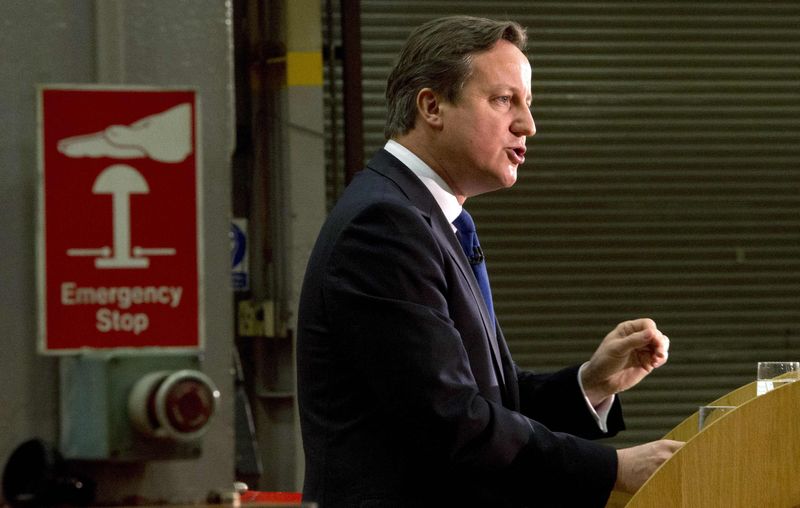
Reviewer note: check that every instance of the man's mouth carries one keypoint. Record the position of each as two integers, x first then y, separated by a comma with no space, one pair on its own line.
516,154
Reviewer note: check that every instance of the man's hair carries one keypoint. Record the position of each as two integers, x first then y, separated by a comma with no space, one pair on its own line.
438,55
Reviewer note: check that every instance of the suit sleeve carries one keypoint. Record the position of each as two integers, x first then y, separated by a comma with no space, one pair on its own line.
385,290
556,400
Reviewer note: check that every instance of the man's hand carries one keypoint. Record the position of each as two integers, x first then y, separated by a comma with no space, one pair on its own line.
637,464
627,354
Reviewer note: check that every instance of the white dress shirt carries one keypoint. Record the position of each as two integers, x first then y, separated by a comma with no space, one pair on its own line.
451,208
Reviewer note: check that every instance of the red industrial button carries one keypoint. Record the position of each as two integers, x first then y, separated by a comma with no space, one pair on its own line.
189,405
175,405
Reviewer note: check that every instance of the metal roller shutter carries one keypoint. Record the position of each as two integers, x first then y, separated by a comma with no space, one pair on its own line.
664,181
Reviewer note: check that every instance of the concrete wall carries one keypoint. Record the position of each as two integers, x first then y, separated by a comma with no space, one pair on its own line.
141,42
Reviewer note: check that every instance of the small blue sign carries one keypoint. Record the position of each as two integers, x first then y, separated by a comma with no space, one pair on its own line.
240,271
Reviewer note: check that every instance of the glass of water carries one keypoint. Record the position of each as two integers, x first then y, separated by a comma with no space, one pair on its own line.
772,375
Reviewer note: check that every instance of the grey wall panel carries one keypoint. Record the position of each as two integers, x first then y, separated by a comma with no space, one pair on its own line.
40,41
186,43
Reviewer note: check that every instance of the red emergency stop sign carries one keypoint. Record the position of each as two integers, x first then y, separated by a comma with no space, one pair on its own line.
119,238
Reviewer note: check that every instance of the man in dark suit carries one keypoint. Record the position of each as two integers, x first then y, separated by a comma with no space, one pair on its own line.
408,394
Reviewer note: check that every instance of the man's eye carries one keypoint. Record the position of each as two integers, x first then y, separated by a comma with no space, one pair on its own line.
503,99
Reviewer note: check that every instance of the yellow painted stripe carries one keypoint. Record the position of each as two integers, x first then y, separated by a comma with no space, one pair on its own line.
304,68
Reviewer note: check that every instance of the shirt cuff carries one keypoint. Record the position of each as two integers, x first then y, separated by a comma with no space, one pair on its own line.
599,412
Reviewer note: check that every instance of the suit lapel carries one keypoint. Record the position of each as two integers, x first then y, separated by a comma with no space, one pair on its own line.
387,165
457,254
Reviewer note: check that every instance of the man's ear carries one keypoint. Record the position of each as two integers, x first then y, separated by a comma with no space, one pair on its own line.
429,108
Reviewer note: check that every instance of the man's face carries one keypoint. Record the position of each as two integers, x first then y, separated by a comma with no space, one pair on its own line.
482,141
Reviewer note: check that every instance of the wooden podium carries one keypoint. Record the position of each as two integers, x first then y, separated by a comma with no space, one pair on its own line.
749,457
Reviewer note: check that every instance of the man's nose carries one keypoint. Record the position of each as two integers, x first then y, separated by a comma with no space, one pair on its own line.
524,124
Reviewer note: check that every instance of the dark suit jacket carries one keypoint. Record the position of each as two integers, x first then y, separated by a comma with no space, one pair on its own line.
400,403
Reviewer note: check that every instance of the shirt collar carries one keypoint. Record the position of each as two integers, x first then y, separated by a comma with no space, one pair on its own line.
441,192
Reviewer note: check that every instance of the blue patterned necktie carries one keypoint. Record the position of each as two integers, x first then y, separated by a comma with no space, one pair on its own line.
472,248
